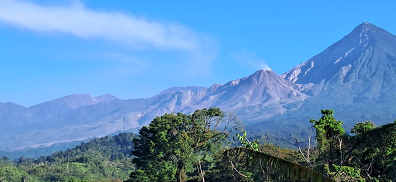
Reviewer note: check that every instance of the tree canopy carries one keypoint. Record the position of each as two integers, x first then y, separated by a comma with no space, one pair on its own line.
369,155
189,147
176,147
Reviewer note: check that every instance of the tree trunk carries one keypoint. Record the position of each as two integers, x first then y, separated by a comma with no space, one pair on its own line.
181,174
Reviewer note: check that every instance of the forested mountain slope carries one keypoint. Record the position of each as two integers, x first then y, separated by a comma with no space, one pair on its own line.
101,159
355,76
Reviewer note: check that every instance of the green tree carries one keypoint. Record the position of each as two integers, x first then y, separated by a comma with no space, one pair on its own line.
330,136
9,172
374,152
332,142
328,131
176,147
362,127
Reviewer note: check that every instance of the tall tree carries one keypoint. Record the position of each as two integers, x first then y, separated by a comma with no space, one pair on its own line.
175,147
329,136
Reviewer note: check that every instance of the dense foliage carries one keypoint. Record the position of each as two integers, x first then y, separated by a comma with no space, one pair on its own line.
369,155
38,152
101,159
179,147
373,153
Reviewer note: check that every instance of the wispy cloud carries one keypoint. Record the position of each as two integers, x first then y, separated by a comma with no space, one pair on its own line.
250,59
83,22
134,32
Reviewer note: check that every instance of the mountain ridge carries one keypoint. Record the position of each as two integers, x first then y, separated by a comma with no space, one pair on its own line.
355,76
359,39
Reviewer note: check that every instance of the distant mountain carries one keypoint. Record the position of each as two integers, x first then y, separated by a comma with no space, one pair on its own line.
355,76
79,117
356,56
13,115
264,87
56,107
180,89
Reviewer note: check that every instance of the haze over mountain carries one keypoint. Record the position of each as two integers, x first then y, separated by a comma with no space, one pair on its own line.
355,76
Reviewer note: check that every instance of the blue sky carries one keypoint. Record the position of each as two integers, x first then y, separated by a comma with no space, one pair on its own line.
135,49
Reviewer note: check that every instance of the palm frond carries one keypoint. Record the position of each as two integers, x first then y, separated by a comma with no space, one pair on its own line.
270,168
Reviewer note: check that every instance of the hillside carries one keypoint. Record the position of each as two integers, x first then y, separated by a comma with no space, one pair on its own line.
101,159
355,76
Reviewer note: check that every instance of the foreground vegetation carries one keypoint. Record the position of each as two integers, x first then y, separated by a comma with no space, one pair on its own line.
102,159
179,147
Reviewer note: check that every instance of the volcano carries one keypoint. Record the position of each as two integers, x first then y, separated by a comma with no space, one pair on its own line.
356,77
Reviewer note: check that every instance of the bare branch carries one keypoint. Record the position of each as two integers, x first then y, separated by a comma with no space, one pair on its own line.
233,167
309,147
200,169
299,149
250,144
265,138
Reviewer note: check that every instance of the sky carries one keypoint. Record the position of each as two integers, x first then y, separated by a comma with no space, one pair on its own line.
136,49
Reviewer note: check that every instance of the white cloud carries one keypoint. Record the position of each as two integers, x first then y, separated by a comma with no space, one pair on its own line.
127,30
83,22
250,59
